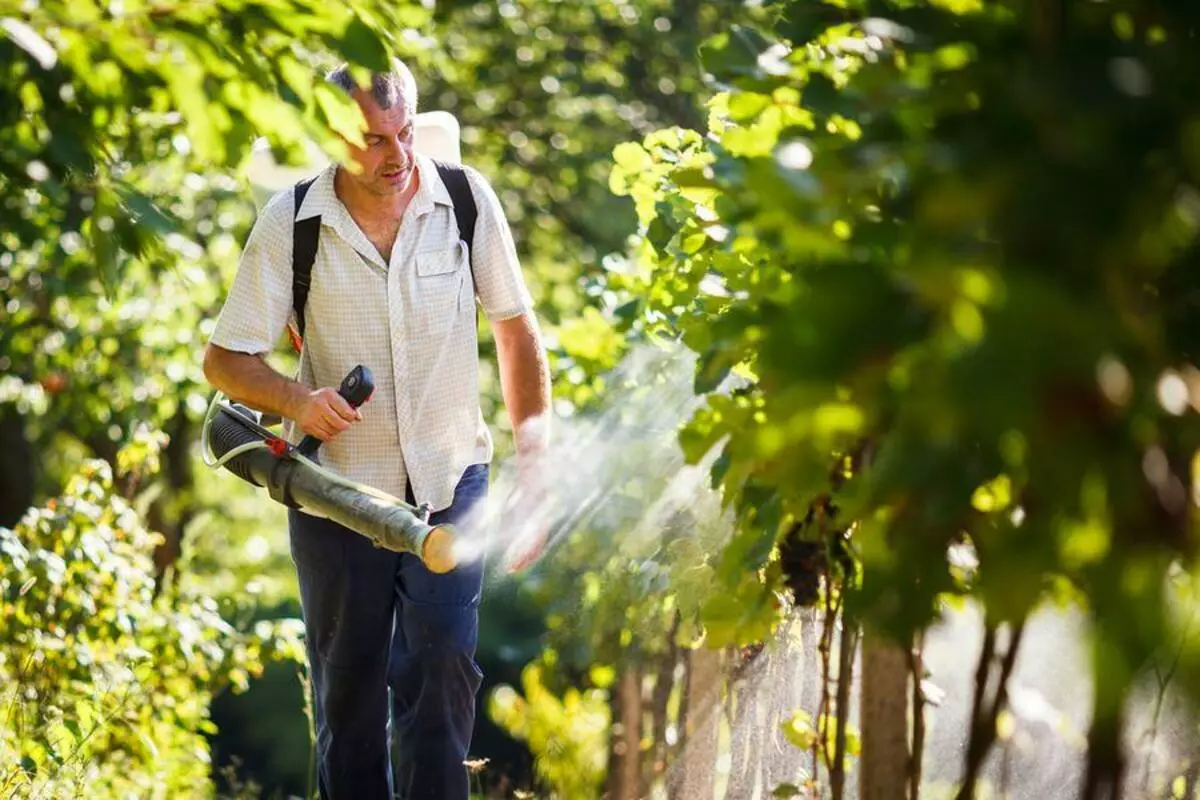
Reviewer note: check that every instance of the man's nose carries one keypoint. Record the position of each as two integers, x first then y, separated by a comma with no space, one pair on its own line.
398,149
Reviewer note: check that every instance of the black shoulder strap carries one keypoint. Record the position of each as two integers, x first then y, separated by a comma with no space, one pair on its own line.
465,211
305,236
306,233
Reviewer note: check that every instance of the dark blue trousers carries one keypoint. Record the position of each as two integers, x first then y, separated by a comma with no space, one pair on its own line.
379,621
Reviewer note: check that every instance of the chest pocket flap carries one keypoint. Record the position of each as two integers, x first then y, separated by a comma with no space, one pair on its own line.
440,289
441,261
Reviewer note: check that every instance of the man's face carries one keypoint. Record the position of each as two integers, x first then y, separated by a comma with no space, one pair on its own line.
387,161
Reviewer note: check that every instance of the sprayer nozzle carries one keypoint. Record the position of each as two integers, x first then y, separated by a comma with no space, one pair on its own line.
438,550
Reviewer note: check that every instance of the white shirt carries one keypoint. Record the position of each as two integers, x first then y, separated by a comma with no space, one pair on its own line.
411,321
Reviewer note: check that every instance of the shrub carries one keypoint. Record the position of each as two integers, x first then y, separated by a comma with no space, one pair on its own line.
107,680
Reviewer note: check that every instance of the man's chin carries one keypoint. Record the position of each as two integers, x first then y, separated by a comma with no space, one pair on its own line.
382,188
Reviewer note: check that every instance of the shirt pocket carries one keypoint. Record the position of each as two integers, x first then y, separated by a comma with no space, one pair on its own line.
441,276
438,261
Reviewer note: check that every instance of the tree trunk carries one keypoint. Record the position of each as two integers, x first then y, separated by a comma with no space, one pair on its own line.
781,761
624,766
884,766
745,745
664,685
694,771
18,468
685,676
847,645
916,671
1105,760
179,478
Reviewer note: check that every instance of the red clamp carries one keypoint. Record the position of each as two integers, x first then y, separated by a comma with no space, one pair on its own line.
278,447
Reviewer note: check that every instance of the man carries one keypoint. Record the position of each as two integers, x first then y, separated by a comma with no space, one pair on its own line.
393,288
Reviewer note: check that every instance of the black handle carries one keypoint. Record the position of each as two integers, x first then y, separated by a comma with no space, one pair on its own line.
356,389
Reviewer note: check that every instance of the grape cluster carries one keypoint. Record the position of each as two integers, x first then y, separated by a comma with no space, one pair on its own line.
807,547
803,562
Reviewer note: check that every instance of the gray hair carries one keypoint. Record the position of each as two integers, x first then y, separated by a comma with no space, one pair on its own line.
388,89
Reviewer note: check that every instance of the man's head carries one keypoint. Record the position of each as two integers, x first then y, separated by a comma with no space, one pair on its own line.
389,106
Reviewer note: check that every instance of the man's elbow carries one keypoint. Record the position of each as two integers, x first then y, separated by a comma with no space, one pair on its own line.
214,359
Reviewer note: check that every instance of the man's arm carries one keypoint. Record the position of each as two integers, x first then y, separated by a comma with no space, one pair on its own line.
525,384
252,320
524,380
249,379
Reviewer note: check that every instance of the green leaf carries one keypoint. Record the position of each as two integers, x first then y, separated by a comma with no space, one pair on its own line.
735,54
363,46
853,742
745,106
627,313
720,467
105,251
721,615
73,727
341,113
821,95
799,730
693,178
632,157
659,233
713,368
145,212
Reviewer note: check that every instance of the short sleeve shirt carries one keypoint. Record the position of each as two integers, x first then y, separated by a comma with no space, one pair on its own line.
411,320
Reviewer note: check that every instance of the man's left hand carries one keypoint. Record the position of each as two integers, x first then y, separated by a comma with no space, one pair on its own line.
528,512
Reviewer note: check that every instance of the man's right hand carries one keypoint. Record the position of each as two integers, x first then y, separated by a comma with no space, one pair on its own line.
324,413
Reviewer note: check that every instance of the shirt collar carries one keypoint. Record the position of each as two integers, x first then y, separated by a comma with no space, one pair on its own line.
431,190
322,201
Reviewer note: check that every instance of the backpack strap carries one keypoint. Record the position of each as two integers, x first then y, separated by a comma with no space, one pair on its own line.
305,236
465,210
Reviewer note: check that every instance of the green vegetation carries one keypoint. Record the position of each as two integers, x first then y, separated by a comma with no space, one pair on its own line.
107,678
861,312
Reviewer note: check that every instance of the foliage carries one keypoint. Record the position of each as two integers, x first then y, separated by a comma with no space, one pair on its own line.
568,735
543,90
936,260
121,129
953,248
238,544
635,527
108,682
147,95
124,127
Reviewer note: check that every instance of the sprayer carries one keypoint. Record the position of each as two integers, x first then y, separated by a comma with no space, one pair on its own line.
234,437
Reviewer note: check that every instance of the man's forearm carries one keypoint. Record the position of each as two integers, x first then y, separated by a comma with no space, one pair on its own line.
524,380
250,380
